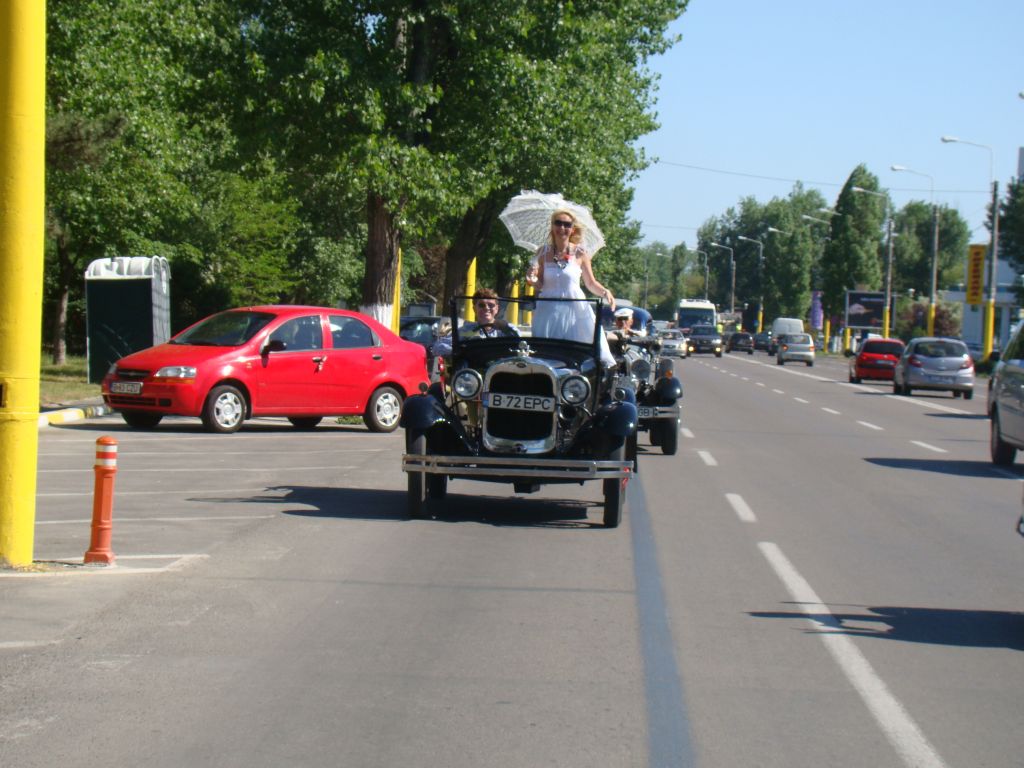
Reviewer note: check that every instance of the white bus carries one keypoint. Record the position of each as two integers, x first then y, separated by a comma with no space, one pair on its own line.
695,312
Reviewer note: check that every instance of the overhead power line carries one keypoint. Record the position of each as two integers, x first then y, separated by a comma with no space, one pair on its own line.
724,172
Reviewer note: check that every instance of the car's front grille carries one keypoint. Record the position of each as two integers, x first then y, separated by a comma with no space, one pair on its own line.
520,425
129,400
131,374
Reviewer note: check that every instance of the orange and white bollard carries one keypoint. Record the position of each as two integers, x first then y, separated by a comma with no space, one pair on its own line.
103,502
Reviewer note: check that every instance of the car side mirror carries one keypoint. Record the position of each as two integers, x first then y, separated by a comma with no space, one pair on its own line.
274,345
848,352
994,357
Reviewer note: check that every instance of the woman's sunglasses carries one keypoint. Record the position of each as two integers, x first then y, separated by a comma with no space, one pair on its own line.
486,305
564,224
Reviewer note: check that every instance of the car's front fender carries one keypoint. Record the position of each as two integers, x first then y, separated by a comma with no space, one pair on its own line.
423,412
669,389
618,418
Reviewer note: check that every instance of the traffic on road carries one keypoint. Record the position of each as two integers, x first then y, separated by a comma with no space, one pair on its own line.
824,573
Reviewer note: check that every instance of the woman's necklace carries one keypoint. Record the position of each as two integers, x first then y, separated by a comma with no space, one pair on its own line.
561,261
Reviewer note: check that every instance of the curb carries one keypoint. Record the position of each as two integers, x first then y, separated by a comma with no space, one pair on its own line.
68,415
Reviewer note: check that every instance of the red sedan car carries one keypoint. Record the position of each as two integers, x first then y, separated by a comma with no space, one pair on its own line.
301,362
876,359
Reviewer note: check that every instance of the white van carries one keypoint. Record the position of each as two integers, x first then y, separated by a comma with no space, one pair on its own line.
782,326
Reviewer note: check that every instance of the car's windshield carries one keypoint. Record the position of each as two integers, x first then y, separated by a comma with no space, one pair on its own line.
798,338
883,348
941,349
537,318
703,330
227,329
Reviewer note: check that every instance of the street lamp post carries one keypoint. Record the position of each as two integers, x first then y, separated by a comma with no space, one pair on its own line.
760,272
816,270
990,306
760,311
705,255
732,272
935,246
886,312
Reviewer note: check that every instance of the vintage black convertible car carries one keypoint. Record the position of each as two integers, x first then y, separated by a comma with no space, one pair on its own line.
522,410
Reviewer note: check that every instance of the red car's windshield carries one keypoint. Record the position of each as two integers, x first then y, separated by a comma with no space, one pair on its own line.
227,329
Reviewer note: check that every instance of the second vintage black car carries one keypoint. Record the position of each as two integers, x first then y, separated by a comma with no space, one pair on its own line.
658,391
523,411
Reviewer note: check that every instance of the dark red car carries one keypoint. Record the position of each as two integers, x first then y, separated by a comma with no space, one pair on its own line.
300,362
876,359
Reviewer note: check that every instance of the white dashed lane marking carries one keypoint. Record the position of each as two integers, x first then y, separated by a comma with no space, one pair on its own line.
928,447
741,508
707,458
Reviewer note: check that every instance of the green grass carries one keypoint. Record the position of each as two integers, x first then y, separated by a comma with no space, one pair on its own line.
65,384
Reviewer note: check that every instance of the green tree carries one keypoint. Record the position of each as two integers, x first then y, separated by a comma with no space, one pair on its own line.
424,118
851,258
912,248
121,152
1011,227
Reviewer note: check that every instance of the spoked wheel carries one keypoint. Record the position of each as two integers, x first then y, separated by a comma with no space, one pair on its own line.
141,419
614,492
305,422
437,486
416,443
669,437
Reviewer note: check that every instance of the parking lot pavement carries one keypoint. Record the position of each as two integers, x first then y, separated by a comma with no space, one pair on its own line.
180,494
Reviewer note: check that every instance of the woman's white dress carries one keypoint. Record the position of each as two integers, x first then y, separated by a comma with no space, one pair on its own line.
573,320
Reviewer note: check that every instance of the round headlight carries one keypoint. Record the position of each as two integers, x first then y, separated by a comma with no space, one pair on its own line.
575,390
467,384
640,368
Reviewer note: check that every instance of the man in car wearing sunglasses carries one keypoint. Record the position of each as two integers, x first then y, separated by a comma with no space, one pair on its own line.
487,325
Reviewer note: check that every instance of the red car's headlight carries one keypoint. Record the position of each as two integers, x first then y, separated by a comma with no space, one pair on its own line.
176,372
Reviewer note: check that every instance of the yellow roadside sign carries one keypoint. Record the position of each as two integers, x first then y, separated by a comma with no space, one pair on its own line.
976,274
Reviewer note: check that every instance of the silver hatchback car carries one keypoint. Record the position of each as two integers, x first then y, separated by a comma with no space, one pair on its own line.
935,363
795,346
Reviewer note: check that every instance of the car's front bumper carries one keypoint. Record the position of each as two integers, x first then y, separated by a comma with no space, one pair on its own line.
179,398
650,412
501,467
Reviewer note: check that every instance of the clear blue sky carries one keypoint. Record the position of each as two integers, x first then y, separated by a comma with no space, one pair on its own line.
807,89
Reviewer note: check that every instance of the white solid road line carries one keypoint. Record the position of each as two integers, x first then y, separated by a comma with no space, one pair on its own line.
901,730
928,447
741,508
202,518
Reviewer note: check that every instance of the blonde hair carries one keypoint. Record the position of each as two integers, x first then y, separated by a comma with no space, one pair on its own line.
576,235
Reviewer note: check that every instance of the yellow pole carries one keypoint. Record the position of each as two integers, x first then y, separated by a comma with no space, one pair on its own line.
846,339
470,288
826,333
513,308
396,299
527,314
22,174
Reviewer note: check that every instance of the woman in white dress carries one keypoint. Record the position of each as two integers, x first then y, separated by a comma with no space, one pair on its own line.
555,272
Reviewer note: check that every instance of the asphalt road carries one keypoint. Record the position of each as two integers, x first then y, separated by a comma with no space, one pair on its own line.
825,574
